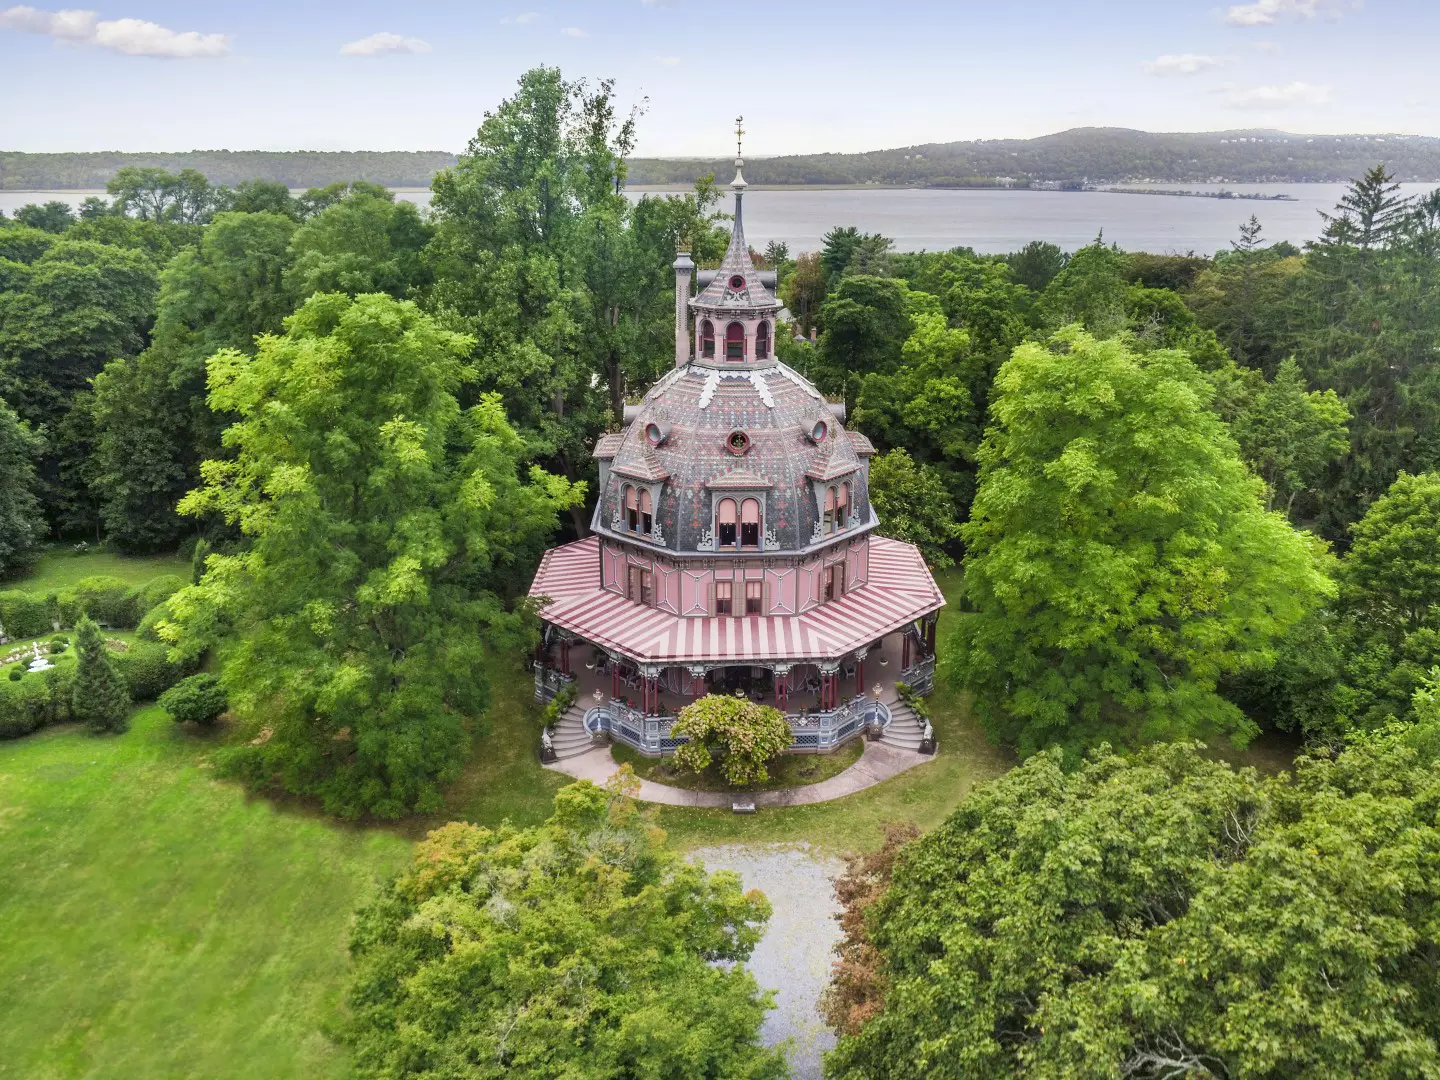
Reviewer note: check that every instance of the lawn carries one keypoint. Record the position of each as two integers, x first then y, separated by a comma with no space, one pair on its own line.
60,568
159,923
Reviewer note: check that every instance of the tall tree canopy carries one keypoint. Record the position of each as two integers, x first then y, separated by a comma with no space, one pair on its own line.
22,525
1165,916
386,527
581,947
1119,558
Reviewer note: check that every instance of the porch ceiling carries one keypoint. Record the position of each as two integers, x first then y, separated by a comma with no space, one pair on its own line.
899,590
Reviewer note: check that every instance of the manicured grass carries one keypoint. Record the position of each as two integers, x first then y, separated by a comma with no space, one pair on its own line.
59,569
159,923
788,770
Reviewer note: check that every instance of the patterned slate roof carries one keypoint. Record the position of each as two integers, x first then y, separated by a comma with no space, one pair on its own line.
607,444
720,295
862,445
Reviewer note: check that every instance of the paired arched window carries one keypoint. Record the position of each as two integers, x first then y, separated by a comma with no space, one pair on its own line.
762,341
725,521
750,523
837,508
707,338
735,342
638,511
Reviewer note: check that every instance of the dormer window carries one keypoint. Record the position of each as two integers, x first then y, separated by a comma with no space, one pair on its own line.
726,521
762,341
828,524
707,339
632,508
645,515
735,342
750,523
842,506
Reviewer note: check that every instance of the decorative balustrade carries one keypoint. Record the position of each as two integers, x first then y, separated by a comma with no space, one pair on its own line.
920,676
550,681
813,732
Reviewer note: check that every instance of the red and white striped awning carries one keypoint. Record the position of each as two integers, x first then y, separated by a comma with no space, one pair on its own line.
899,590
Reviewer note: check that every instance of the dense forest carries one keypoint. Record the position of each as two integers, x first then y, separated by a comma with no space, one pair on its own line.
1191,499
1081,155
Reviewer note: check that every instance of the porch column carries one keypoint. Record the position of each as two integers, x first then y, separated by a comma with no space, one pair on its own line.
905,649
697,682
930,633
860,655
565,656
782,689
614,676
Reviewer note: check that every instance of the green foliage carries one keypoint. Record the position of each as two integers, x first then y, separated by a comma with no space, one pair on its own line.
105,599
849,251
98,696
1119,561
149,669
1165,915
555,708
53,217
154,194
1092,290
1036,264
385,527
198,699
361,244
1390,601
22,525
864,323
23,614
740,733
29,702
581,947
913,505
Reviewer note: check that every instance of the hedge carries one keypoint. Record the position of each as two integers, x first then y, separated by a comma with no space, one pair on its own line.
107,600
37,700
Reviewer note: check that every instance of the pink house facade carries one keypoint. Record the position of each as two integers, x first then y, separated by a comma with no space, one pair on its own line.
734,545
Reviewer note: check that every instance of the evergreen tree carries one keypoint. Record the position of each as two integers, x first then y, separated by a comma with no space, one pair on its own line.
22,525
98,696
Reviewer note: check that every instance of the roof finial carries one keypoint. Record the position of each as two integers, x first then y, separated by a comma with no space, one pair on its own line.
739,133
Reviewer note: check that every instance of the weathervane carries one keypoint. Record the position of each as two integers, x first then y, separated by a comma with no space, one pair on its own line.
739,132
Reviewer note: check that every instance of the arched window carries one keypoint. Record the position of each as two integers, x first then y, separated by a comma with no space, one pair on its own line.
762,341
842,506
725,519
829,520
707,338
645,512
735,342
750,523
632,509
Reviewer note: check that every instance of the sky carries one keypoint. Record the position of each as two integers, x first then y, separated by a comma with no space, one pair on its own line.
809,77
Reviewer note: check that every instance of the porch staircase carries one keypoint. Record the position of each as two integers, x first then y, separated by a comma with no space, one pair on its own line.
569,736
905,730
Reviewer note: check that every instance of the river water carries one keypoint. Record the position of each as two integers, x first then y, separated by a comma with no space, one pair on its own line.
995,220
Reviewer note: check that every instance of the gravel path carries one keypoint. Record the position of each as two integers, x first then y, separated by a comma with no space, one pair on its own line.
794,956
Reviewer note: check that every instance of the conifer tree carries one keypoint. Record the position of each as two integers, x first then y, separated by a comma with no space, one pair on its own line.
99,697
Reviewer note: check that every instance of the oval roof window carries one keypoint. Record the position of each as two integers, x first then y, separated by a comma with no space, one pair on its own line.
737,442
737,282
819,431
653,433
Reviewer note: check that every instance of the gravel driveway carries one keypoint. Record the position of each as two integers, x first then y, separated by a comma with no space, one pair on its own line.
794,956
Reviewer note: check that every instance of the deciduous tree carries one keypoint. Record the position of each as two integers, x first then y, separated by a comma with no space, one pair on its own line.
743,735
1119,559
22,525
386,528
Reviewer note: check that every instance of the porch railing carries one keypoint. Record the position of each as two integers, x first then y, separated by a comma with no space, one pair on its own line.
920,676
549,681
815,732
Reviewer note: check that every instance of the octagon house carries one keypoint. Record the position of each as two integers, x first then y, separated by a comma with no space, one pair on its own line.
734,548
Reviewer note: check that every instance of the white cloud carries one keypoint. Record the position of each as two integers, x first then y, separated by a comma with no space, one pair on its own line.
573,31
523,17
136,37
132,37
384,44
669,61
1183,64
1277,97
1270,12
66,25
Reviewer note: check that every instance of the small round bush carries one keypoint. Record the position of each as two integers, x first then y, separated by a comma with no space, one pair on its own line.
17,672
57,645
197,700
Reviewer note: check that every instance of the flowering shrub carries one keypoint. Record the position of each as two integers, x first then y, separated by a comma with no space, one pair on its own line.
742,734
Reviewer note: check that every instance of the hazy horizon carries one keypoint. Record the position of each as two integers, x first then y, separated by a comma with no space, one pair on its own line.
817,78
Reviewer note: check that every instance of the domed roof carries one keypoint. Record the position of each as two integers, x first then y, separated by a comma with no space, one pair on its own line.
704,433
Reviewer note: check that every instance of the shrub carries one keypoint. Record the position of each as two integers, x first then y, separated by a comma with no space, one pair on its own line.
98,696
143,599
198,699
17,672
147,669
58,646
742,734
104,599
23,614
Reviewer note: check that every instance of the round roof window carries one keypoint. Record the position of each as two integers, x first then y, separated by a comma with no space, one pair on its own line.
737,282
653,434
737,442
819,431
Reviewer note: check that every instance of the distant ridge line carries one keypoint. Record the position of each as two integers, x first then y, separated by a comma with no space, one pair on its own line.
1075,156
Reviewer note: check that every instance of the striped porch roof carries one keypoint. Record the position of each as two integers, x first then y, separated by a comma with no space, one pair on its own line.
899,591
